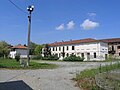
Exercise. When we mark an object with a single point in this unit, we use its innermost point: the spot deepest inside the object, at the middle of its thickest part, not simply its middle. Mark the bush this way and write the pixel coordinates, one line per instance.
(51, 57)
(73, 58)
(37, 57)
(17, 57)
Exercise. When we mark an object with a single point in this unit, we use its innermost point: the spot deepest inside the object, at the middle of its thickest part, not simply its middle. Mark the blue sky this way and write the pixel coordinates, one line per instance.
(57, 20)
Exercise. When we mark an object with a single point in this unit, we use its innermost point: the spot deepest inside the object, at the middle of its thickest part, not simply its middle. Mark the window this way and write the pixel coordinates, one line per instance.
(56, 54)
(73, 47)
(59, 54)
(56, 48)
(94, 55)
(82, 55)
(72, 53)
(88, 56)
(67, 48)
(59, 48)
(53, 48)
(63, 49)
(118, 47)
(112, 48)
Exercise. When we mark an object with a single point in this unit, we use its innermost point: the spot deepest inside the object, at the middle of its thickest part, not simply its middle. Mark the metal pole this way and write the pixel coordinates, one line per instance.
(28, 48)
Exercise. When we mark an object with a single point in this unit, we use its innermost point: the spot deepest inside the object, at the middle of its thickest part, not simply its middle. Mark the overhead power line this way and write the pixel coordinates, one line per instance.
(17, 7)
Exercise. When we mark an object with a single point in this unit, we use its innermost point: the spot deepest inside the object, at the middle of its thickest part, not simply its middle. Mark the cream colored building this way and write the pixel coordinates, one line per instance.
(89, 49)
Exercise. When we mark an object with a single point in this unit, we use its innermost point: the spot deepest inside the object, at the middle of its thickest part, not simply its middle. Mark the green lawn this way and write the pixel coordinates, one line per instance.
(12, 64)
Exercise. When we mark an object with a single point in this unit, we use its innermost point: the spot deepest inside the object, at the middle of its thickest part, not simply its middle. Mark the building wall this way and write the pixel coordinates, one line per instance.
(114, 49)
(22, 52)
(99, 48)
(117, 50)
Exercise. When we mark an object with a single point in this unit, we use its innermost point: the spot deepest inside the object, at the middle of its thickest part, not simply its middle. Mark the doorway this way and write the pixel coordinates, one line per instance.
(88, 56)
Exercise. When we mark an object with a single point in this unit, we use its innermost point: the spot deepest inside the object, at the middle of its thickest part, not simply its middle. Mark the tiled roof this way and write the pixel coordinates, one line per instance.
(19, 47)
(88, 40)
(111, 40)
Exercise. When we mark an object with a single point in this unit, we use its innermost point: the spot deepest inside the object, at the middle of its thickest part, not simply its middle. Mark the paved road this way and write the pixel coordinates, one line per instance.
(48, 79)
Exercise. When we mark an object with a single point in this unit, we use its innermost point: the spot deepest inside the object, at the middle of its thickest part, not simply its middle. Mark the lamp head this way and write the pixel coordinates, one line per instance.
(30, 8)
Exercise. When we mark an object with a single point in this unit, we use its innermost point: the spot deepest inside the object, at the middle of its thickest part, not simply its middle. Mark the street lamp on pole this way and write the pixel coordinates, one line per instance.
(30, 9)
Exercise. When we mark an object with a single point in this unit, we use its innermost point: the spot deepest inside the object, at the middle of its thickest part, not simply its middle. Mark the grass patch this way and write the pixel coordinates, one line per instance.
(12, 64)
(111, 60)
(86, 78)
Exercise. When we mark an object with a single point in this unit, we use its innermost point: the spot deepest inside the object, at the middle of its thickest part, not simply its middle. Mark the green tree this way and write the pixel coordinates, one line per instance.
(17, 57)
(32, 48)
(38, 49)
(4, 49)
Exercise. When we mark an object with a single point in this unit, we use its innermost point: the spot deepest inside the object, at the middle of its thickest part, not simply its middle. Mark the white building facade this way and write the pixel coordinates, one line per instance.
(90, 50)
(19, 49)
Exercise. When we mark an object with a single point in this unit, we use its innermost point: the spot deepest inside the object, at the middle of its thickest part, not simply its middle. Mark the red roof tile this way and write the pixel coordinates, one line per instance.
(111, 40)
(74, 42)
(19, 47)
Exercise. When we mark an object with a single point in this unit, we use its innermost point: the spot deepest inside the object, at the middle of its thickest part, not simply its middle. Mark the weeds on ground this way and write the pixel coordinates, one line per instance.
(86, 78)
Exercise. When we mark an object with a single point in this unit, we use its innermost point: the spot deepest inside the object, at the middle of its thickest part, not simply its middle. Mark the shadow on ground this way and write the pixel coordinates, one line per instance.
(14, 85)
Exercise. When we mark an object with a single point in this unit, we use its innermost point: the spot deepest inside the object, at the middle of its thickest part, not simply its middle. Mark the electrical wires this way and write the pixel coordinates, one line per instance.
(17, 7)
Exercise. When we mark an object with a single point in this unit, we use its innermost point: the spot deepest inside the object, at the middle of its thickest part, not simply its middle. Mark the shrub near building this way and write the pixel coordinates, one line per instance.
(73, 58)
(51, 57)
(37, 57)
(17, 57)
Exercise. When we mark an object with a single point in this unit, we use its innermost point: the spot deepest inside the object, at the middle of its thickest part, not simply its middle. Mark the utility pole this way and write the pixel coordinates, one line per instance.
(30, 9)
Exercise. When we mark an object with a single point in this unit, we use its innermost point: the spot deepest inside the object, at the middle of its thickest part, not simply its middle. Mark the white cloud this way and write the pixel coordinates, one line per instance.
(92, 14)
(87, 24)
(70, 25)
(60, 27)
